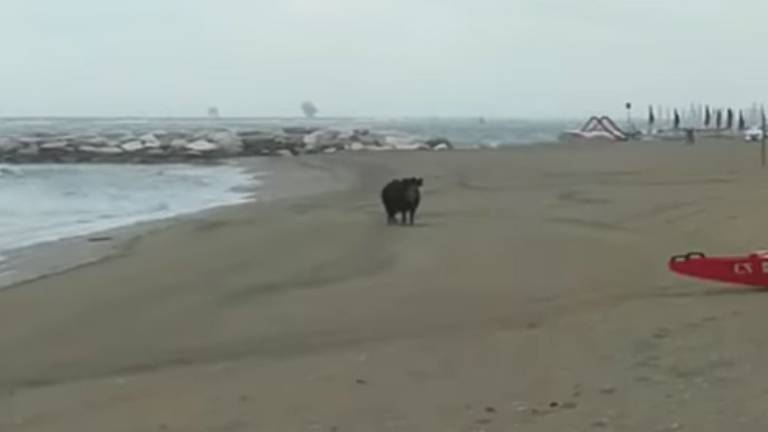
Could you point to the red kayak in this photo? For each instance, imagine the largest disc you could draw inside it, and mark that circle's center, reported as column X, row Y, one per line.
column 749, row 270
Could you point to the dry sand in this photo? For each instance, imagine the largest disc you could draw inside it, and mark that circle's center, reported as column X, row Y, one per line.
column 532, row 295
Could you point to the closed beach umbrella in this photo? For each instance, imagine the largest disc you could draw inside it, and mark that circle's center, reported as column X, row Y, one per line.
column 707, row 116
column 676, row 121
column 729, row 119
column 742, row 121
column 651, row 117
column 718, row 118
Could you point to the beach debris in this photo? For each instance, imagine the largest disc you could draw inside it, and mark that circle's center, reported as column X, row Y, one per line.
column 601, row 423
column 661, row 333
column 99, row 239
column 490, row 410
column 607, row 390
column 361, row 381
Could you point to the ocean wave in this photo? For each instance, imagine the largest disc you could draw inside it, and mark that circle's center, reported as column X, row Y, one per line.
column 10, row 170
column 51, row 202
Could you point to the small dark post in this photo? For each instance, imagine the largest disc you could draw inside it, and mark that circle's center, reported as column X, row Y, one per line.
column 707, row 117
column 729, row 119
column 651, row 120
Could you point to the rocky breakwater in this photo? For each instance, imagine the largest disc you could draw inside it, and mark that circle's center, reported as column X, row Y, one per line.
column 206, row 145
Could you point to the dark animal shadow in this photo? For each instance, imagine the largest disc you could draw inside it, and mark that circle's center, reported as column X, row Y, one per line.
column 99, row 239
column 415, row 225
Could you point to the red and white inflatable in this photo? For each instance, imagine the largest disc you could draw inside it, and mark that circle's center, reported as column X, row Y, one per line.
column 599, row 127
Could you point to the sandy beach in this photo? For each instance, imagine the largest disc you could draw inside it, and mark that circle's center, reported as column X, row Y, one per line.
column 531, row 295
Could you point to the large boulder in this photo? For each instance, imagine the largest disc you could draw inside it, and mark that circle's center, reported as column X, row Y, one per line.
column 258, row 143
column 150, row 140
column 30, row 141
column 299, row 130
column 89, row 140
column 167, row 138
column 227, row 141
column 321, row 139
column 355, row 146
column 368, row 139
column 100, row 150
column 202, row 146
column 8, row 145
column 402, row 142
column 178, row 143
column 29, row 150
column 55, row 145
column 132, row 146
column 441, row 142
column 118, row 135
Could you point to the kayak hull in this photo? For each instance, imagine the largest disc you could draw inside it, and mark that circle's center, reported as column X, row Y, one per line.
column 750, row 270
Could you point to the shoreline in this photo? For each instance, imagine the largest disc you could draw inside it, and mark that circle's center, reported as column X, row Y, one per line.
column 289, row 178
column 286, row 179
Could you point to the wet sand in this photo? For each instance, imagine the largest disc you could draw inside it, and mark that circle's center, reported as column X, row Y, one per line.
column 532, row 295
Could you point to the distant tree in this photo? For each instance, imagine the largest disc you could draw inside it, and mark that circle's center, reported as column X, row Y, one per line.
column 309, row 109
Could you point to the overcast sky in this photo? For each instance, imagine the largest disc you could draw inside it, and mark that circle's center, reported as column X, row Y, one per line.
column 509, row 58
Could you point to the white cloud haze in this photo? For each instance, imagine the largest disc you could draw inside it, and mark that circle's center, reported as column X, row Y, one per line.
column 512, row 58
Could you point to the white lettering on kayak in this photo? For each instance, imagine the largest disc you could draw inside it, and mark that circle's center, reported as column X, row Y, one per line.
column 744, row 268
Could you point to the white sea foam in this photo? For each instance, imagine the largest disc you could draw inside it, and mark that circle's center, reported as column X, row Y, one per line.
column 41, row 203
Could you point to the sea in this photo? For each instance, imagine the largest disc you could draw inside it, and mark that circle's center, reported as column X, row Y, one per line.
column 47, row 202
